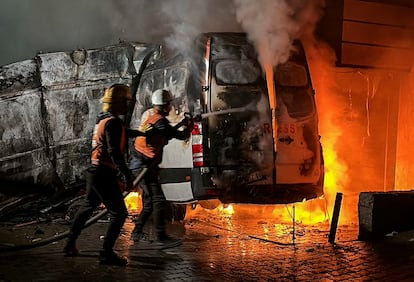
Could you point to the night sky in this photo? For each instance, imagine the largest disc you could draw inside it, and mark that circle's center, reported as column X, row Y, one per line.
column 31, row 26
column 28, row 27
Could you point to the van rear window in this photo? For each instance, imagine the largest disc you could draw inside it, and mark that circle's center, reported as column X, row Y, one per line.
column 237, row 72
column 298, row 101
column 291, row 74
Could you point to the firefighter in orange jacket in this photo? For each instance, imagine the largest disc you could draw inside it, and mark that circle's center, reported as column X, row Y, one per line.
column 148, row 151
column 107, row 163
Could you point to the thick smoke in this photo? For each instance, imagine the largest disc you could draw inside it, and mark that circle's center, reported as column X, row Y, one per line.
column 273, row 25
column 188, row 18
column 174, row 23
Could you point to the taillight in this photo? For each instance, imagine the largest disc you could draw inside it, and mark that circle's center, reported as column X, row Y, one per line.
column 197, row 144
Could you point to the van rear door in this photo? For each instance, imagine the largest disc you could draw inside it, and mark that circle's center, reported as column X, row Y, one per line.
column 298, row 147
column 239, row 125
column 250, row 169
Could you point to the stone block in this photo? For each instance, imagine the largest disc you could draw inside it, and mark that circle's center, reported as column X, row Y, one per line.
column 381, row 213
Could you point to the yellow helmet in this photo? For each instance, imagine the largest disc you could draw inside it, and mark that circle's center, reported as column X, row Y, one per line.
column 117, row 93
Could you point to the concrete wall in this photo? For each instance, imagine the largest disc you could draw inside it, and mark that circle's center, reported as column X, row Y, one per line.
column 48, row 108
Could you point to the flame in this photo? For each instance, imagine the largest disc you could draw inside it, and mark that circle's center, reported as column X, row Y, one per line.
column 306, row 212
column 270, row 85
column 133, row 202
column 272, row 99
column 226, row 210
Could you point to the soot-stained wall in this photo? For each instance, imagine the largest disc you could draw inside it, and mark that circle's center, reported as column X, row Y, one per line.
column 48, row 108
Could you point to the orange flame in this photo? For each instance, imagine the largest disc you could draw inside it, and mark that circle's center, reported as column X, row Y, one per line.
column 272, row 99
column 270, row 85
column 133, row 202
column 227, row 210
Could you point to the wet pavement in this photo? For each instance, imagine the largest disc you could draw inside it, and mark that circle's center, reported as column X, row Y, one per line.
column 217, row 248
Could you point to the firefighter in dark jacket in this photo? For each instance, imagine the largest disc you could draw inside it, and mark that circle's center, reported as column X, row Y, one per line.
column 148, row 151
column 102, row 177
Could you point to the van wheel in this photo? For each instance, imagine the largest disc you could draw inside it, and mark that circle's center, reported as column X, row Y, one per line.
column 175, row 212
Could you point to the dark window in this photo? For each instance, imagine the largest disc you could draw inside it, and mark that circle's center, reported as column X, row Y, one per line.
column 237, row 72
column 298, row 101
column 291, row 74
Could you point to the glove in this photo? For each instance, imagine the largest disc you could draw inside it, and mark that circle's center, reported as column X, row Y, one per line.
column 190, row 125
column 188, row 115
column 197, row 118
column 188, row 120
column 145, row 128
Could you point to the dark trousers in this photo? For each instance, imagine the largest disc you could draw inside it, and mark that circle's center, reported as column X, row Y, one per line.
column 101, row 187
column 153, row 202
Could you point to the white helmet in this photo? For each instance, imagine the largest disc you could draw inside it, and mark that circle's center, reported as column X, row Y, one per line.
column 161, row 97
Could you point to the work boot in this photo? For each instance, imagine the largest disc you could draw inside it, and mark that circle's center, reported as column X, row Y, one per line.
column 70, row 249
column 165, row 240
column 111, row 258
column 139, row 236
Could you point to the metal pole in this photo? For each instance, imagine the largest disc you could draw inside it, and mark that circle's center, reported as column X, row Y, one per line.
column 294, row 220
column 139, row 177
column 335, row 217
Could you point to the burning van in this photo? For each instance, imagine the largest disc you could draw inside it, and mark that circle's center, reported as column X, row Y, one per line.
column 248, row 147
column 241, row 150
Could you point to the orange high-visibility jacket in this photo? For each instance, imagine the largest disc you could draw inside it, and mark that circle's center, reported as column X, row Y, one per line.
column 153, row 144
column 100, row 154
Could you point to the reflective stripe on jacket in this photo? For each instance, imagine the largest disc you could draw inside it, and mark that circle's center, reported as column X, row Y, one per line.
column 153, row 144
column 100, row 155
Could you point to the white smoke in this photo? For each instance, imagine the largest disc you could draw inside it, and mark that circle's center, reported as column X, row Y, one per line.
column 174, row 23
column 273, row 25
